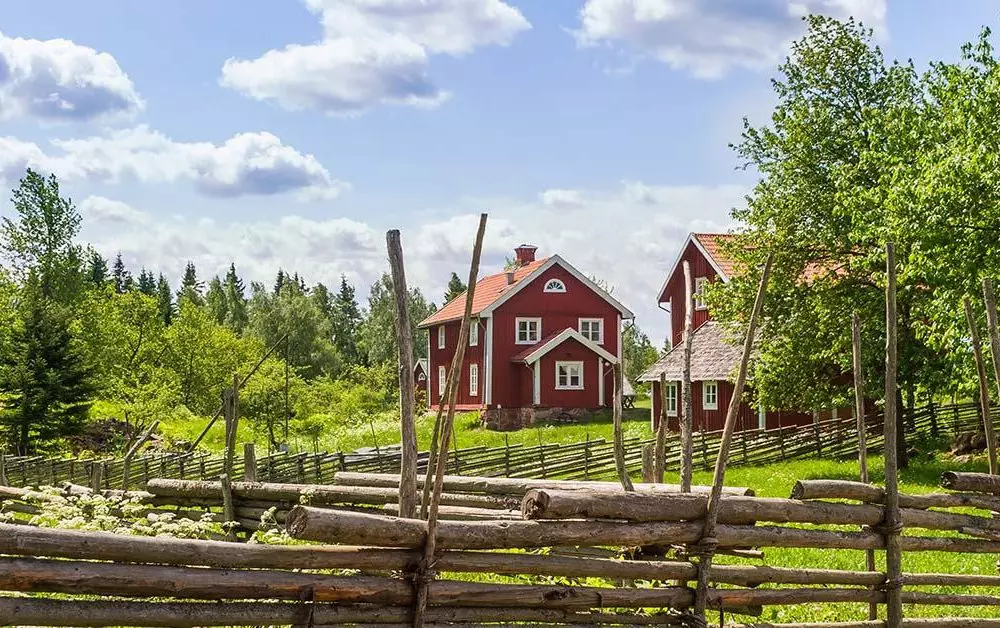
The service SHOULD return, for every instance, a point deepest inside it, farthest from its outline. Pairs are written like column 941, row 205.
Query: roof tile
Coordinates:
column 488, row 290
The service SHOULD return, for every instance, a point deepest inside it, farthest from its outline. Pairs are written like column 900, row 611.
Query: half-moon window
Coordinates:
column 555, row 285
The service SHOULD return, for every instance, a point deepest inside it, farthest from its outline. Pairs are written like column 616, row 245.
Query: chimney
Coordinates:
column 510, row 277
column 525, row 254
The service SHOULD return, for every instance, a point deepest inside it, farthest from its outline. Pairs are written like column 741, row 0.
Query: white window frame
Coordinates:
column 671, row 397
column 554, row 286
column 699, row 293
column 473, row 380
column 714, row 387
column 590, row 324
column 569, row 365
column 441, row 336
column 474, row 333
column 442, row 380
column 517, row 331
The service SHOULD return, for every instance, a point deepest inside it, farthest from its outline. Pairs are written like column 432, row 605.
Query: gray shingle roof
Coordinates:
column 712, row 358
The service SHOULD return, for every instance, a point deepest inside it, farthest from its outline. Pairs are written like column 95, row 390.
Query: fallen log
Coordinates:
column 858, row 491
column 332, row 526
column 514, row 486
column 552, row 504
column 974, row 482
column 311, row 493
column 87, row 613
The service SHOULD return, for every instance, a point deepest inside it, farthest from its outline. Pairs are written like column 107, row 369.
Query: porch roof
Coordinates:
column 712, row 358
column 532, row 354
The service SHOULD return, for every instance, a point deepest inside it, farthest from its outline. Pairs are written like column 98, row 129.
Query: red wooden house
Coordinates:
column 713, row 359
column 544, row 338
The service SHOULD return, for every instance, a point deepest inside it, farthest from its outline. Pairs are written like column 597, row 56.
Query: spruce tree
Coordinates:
column 190, row 287
column 44, row 377
column 236, row 301
column 164, row 301
column 455, row 288
column 147, row 283
column 215, row 300
column 279, row 282
column 97, row 269
column 123, row 278
column 347, row 321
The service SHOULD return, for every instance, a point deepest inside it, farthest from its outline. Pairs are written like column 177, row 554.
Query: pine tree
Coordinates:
column 164, row 301
column 190, row 287
column 346, row 321
column 147, row 283
column 279, row 282
column 455, row 288
column 216, row 301
column 44, row 377
column 97, row 269
column 236, row 301
column 123, row 278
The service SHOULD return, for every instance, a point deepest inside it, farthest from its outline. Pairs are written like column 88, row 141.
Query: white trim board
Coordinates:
column 562, row 337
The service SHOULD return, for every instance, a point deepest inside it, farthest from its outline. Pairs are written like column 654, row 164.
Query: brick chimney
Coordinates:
column 525, row 254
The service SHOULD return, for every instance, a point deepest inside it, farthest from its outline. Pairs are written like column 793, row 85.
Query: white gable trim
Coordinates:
column 562, row 337
column 677, row 262
column 552, row 261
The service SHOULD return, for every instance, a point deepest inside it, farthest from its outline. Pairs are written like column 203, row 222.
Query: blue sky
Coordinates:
column 294, row 133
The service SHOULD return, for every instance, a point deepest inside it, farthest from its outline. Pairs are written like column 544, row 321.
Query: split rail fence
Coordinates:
column 636, row 551
column 586, row 460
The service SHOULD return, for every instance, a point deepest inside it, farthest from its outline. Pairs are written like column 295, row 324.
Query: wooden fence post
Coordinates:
column 659, row 455
column 893, row 525
column 648, row 463
column 714, row 499
column 407, row 400
column 228, row 508
column 97, row 476
column 3, row 470
column 687, row 420
column 859, row 416
column 620, row 467
column 984, row 386
column 249, row 463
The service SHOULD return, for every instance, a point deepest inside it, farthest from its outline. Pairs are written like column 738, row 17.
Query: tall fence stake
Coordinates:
column 249, row 463
column 660, row 452
column 893, row 523
column 859, row 414
column 425, row 571
column 706, row 546
column 991, row 321
column 404, row 341
column 619, row 437
column 984, row 386
column 687, row 420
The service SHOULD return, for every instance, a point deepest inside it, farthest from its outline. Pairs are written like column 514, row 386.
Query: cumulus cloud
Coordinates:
column 562, row 198
column 710, row 37
column 245, row 164
column 59, row 80
column 650, row 224
column 373, row 52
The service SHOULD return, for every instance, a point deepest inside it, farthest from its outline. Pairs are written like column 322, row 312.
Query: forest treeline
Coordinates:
column 92, row 352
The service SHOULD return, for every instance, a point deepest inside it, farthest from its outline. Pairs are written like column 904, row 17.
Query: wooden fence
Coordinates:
column 585, row 460
column 637, row 553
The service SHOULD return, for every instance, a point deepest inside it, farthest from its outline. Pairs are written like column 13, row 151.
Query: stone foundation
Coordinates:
column 510, row 419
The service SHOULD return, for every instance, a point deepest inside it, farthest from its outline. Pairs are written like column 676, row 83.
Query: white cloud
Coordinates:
column 373, row 52
column 59, row 80
column 627, row 236
column 710, row 37
column 245, row 164
column 567, row 199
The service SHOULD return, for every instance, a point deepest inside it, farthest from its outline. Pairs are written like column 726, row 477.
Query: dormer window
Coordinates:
column 555, row 285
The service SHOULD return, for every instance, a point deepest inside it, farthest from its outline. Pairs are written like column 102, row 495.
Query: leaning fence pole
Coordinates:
column 984, row 385
column 425, row 569
column 660, row 452
column 404, row 342
column 991, row 321
column 435, row 439
column 687, row 420
column 706, row 546
column 859, row 414
column 620, row 466
column 893, row 523
column 127, row 461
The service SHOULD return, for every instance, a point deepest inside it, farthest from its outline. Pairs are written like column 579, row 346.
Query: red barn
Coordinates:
column 713, row 360
column 544, row 338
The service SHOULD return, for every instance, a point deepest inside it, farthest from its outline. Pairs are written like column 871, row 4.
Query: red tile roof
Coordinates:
column 488, row 290
column 712, row 243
